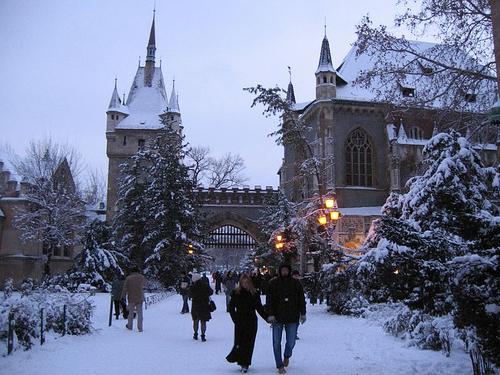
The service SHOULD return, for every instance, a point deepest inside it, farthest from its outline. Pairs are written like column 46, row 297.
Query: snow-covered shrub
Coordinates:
column 476, row 294
column 422, row 330
column 27, row 286
column 26, row 312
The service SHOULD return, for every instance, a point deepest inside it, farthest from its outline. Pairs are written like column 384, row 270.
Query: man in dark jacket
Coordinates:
column 184, row 285
column 286, row 306
column 116, row 292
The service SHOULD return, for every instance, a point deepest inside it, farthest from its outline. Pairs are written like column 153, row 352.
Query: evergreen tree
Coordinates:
column 130, row 219
column 446, row 213
column 172, row 228
column 276, row 219
column 436, row 248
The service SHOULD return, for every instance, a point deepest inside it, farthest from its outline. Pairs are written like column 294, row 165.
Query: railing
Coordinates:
column 12, row 326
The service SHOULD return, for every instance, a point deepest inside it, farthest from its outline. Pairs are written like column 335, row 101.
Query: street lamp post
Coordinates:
column 328, row 217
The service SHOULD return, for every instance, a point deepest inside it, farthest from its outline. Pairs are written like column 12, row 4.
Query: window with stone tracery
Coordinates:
column 359, row 159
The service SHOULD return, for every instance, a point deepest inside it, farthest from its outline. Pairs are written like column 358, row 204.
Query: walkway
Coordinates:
column 328, row 345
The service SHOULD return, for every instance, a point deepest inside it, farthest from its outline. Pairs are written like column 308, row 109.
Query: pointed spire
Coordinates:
column 325, row 58
column 115, row 101
column 152, row 42
column 173, row 105
column 290, row 93
column 402, row 132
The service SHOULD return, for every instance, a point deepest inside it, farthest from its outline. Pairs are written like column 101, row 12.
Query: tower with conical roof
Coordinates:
column 326, row 75
column 116, row 110
column 131, row 125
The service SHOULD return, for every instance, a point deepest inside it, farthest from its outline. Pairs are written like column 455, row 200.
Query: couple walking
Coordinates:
column 285, row 308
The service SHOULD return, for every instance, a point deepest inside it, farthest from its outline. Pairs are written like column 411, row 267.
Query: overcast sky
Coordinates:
column 60, row 58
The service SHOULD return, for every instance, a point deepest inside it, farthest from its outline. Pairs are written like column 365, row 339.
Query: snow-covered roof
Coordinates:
column 145, row 104
column 361, row 211
column 354, row 64
column 301, row 106
column 173, row 104
column 115, row 104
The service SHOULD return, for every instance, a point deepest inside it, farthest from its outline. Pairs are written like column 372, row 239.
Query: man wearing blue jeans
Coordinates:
column 286, row 306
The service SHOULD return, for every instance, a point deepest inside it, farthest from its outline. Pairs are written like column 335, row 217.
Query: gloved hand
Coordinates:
column 271, row 319
column 302, row 319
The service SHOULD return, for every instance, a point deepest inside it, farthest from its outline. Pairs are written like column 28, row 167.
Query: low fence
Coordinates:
column 149, row 300
column 12, row 325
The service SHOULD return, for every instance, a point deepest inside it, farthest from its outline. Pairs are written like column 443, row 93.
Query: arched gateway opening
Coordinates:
column 228, row 245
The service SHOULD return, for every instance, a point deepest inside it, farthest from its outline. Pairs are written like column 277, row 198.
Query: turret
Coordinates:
column 172, row 116
column 326, row 75
column 116, row 111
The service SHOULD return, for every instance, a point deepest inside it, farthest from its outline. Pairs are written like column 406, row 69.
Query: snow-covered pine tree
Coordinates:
column 173, row 221
column 97, row 264
column 131, row 214
column 436, row 247
column 276, row 217
column 443, row 213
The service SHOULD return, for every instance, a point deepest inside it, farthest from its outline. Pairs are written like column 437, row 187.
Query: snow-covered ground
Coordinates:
column 328, row 345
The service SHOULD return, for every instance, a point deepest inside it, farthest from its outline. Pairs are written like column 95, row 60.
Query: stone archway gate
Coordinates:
column 237, row 209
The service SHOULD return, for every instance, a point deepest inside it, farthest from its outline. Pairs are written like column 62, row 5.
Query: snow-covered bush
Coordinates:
column 422, row 330
column 26, row 309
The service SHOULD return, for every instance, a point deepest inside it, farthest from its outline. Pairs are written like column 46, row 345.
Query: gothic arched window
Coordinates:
column 359, row 159
column 416, row 133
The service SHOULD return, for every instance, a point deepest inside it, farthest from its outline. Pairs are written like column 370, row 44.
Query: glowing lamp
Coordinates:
column 396, row 272
column 322, row 219
column 279, row 237
column 329, row 202
column 279, row 245
column 334, row 215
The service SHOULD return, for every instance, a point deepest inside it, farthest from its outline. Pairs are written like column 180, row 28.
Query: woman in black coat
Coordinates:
column 245, row 300
column 200, row 293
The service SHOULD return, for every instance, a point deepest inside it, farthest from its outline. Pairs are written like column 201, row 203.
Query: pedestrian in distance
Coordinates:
column 118, row 301
column 230, row 282
column 183, row 288
column 218, row 282
column 133, row 290
column 245, row 301
column 286, row 307
column 200, row 293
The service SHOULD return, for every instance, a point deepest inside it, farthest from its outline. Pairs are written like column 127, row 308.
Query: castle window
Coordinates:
column 112, row 117
column 416, row 133
column 317, row 81
column 408, row 92
column 325, row 80
column 140, row 144
column 124, row 140
column 470, row 98
column 359, row 159
column 331, row 79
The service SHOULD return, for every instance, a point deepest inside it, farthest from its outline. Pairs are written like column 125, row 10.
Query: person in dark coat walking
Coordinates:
column 119, row 302
column 200, row 293
column 184, row 284
column 245, row 300
column 286, row 306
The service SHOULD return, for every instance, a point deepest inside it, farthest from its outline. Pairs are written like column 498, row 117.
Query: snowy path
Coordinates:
column 328, row 345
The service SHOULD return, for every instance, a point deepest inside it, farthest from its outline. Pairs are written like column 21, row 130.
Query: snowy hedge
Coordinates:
column 26, row 307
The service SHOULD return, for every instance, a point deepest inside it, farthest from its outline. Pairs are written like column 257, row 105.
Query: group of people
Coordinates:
column 284, row 309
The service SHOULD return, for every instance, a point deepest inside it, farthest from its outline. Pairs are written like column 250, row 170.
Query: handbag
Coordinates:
column 211, row 305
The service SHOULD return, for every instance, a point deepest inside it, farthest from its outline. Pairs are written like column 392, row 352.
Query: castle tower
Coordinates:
column 131, row 125
column 326, row 75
